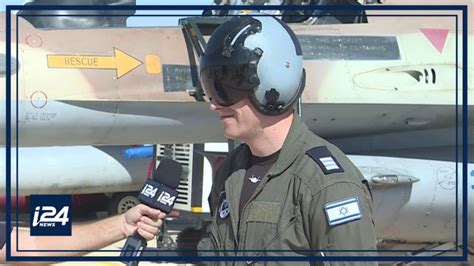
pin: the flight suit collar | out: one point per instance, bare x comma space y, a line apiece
290, 150
291, 147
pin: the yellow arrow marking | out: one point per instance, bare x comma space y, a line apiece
121, 62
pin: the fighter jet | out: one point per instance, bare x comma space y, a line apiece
386, 90
118, 86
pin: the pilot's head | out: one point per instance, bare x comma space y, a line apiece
255, 57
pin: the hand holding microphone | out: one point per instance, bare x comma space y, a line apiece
143, 220
158, 193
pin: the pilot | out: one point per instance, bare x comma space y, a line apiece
142, 219
284, 191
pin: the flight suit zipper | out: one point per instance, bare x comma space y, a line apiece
241, 240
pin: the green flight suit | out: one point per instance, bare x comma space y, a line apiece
286, 214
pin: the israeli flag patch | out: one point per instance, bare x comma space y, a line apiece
343, 211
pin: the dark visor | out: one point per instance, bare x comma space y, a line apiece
228, 70
228, 80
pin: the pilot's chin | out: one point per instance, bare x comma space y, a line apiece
229, 135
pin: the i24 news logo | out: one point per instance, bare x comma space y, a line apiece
166, 198
50, 215
149, 191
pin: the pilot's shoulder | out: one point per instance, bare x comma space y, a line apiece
321, 163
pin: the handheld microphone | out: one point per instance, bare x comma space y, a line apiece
159, 193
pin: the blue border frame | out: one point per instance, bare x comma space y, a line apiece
462, 8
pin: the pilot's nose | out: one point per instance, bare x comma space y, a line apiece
214, 106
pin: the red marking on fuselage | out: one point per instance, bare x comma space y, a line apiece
34, 41
437, 37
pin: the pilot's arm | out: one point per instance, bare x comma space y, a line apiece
339, 217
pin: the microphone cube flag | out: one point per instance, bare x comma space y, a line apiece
149, 193
158, 196
166, 198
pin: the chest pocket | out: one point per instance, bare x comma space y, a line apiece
260, 223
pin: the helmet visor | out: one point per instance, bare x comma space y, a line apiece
228, 80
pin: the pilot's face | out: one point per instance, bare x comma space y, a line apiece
240, 121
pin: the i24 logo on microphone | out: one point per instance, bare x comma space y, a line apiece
166, 198
149, 191
50, 215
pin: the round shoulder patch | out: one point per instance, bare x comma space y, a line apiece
224, 209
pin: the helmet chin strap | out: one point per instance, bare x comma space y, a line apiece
299, 106
302, 83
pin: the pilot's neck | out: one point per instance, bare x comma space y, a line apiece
271, 138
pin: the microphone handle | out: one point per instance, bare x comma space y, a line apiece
132, 263
134, 247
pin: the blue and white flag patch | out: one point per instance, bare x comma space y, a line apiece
343, 211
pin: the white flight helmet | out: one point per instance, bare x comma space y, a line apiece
256, 57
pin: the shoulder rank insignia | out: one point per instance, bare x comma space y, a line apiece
343, 211
323, 157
